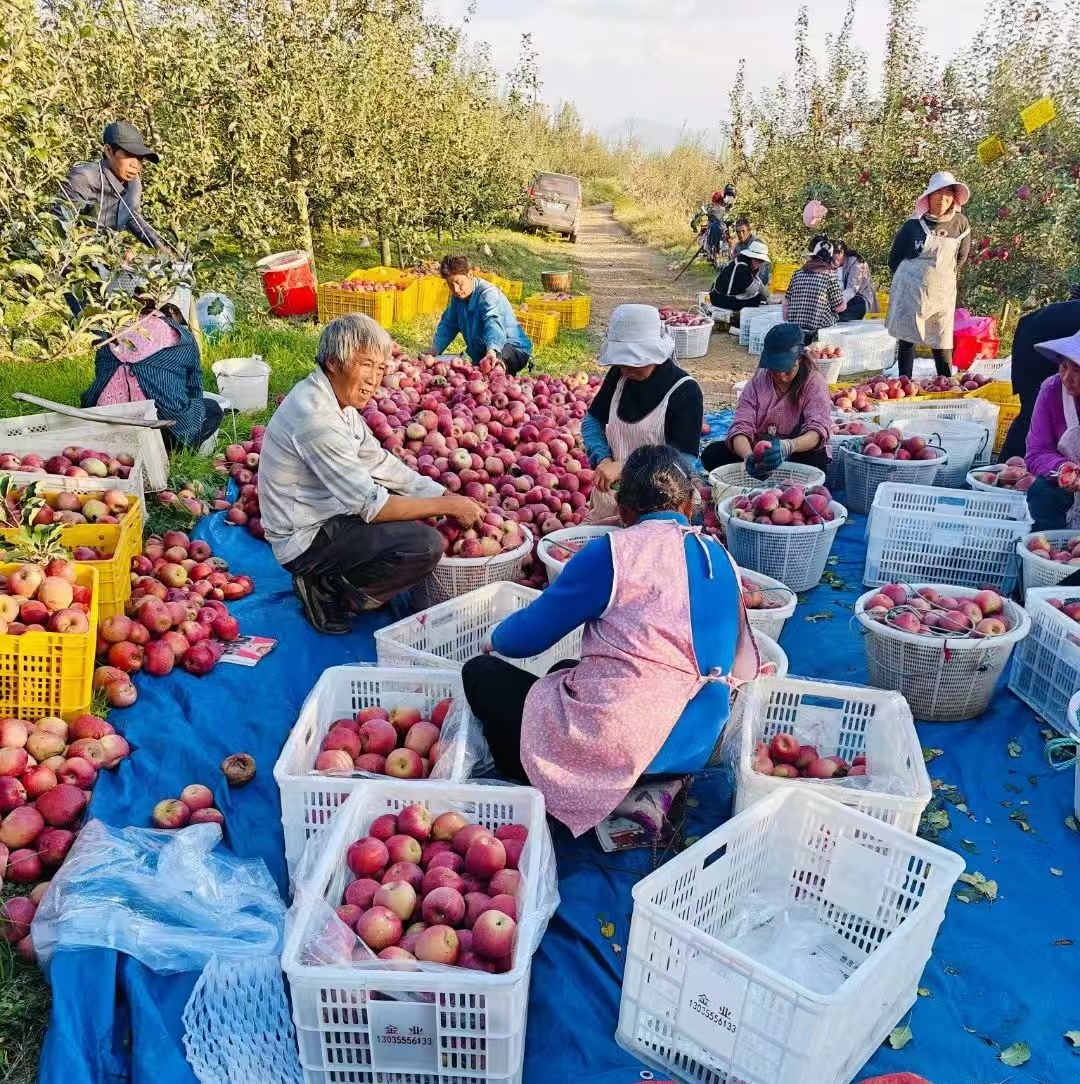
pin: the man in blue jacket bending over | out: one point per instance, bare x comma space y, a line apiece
480, 311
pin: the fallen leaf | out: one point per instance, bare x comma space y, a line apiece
1073, 1037
823, 616
923, 992
1063, 942
938, 819
981, 884
1014, 748
1015, 1055
931, 754
617, 949
1055, 872
900, 1037
607, 929
970, 1031
969, 846
961, 807
950, 970
1070, 823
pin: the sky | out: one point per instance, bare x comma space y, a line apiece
670, 63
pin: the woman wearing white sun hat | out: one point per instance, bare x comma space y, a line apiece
927, 253
644, 399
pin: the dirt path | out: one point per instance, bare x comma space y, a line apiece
621, 270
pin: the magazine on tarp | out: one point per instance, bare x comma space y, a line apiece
247, 650
649, 816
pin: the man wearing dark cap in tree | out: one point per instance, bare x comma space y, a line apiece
108, 191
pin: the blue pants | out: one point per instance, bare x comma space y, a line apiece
1048, 504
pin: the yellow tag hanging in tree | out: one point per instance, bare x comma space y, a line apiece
990, 150
1038, 114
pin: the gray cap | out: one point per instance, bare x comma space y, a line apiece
126, 136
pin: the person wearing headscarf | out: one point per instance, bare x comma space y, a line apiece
814, 297
926, 256
786, 402
665, 637
860, 299
644, 399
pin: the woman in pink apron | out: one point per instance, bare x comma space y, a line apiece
927, 254
644, 399
1054, 439
665, 637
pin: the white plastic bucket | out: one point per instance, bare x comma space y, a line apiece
245, 382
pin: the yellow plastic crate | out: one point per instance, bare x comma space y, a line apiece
514, 289
781, 276
50, 673
1000, 392
429, 296
334, 302
406, 302
541, 327
574, 314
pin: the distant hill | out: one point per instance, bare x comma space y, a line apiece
654, 135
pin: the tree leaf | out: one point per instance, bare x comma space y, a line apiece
1014, 748
1073, 1037
900, 1037
1015, 1055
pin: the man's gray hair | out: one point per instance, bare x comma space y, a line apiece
344, 336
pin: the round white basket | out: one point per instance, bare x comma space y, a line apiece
834, 476
774, 661
582, 533
974, 482
748, 316
795, 556
770, 620
829, 368
870, 416
943, 679
732, 479
863, 474
691, 342
1038, 571
454, 576
964, 441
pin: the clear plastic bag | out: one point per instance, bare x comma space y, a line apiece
161, 897
217, 314
462, 733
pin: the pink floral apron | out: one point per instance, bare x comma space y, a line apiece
627, 437
1069, 446
591, 732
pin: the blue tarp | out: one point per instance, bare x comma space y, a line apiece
999, 973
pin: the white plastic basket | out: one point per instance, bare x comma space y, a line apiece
759, 328
454, 576
838, 720
48, 433
954, 536
731, 479
795, 556
582, 533
834, 476
695, 1008
1045, 670
309, 800
979, 411
1038, 571
964, 441
867, 346
472, 1024
773, 658
943, 679
447, 635
863, 474
830, 368
245, 382
748, 316
770, 621
691, 342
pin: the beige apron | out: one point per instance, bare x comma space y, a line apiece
626, 437
922, 298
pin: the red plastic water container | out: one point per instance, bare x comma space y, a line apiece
288, 280
974, 337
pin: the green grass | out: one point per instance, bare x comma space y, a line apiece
24, 1012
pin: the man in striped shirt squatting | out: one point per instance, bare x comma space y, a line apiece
340, 512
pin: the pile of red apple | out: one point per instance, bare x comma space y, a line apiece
891, 444
1014, 475
72, 462
928, 612
189, 499
194, 806
817, 352
757, 597
853, 401
792, 506
43, 598
436, 889
851, 429
963, 382
1069, 608
860, 397
1067, 553
397, 742
241, 461
362, 286
677, 318
47, 771
73, 509
561, 295
786, 758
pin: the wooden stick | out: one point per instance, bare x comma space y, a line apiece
92, 415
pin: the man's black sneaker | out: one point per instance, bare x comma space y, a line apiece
325, 612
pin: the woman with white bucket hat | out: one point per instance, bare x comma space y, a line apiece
644, 399
927, 254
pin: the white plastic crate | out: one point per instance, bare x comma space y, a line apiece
696, 1008
995, 368
691, 342
795, 556
955, 536
965, 442
309, 800
1045, 670
582, 533
472, 1024
449, 634
1038, 571
867, 346
770, 621
731, 479
838, 720
53, 432
57, 483
454, 576
864, 475
980, 411
759, 328
944, 679
748, 316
